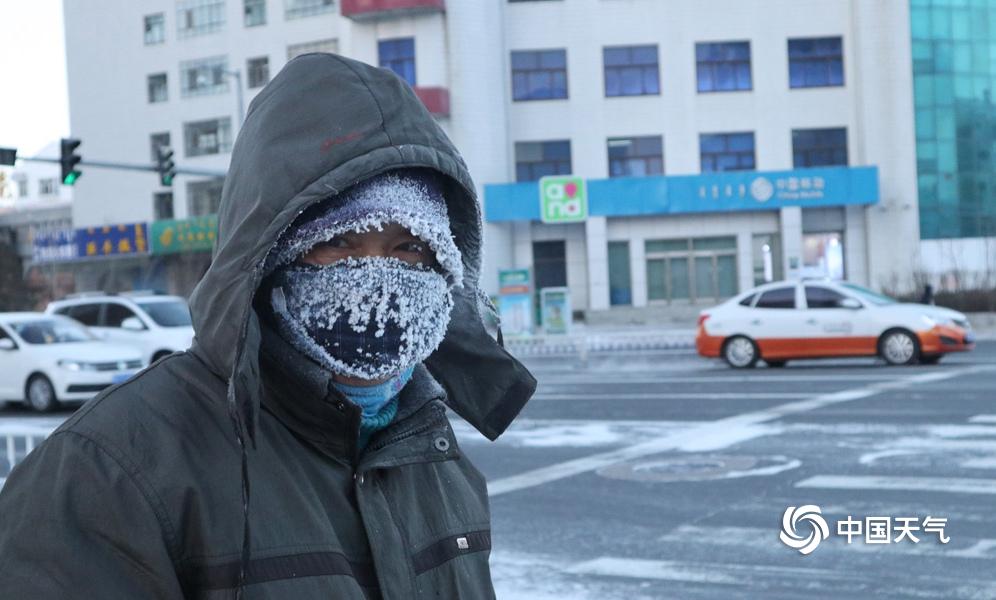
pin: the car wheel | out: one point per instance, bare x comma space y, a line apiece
775, 364
740, 352
40, 394
899, 347
932, 359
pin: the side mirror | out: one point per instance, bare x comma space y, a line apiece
850, 303
132, 324
7, 344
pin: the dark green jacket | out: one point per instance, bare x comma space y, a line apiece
140, 493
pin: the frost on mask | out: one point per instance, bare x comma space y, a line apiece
368, 317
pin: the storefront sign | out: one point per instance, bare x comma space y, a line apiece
515, 305
184, 235
53, 246
563, 199
112, 240
556, 309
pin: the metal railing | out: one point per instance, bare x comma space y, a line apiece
17, 440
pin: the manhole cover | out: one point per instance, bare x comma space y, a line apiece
697, 467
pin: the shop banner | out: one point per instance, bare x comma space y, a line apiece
172, 236
515, 303
54, 246
112, 240
556, 309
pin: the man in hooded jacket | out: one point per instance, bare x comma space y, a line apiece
236, 467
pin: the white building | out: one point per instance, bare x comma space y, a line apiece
33, 201
663, 92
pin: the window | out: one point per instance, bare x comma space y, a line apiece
199, 17
115, 314
207, 137
399, 56
22, 186
155, 29
722, 66
259, 71
816, 62
88, 314
162, 205
158, 91
330, 45
726, 152
156, 141
204, 76
620, 284
783, 297
48, 187
636, 156
204, 197
821, 297
748, 300
539, 74
255, 12
631, 70
691, 269
295, 9
536, 159
819, 147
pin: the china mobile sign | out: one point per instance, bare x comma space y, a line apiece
803, 528
563, 199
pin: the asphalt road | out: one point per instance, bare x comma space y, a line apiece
663, 475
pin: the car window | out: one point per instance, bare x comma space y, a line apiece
747, 301
51, 331
167, 314
88, 314
821, 297
783, 297
116, 313
870, 296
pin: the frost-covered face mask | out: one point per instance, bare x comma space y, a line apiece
365, 317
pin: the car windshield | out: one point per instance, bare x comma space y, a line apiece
867, 294
52, 331
168, 314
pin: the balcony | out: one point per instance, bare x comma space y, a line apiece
369, 10
436, 99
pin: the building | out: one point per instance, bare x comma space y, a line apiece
954, 79
719, 144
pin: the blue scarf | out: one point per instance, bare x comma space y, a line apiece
378, 402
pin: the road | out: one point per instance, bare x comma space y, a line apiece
642, 475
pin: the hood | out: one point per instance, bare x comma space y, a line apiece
323, 124
934, 312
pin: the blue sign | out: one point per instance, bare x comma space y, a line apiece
52, 246
112, 240
685, 194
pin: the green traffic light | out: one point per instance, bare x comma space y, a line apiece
71, 178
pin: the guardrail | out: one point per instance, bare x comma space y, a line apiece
583, 344
17, 440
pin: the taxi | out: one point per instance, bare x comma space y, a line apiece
787, 320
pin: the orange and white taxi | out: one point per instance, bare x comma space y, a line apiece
786, 320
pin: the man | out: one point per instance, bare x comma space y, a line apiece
300, 449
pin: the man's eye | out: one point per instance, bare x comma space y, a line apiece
416, 247
336, 242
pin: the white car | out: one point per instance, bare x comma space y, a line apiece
47, 359
155, 324
786, 320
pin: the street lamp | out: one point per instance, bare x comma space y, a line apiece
238, 89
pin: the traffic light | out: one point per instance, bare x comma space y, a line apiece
8, 156
69, 159
165, 165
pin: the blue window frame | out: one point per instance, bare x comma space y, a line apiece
631, 70
723, 66
399, 56
819, 147
636, 156
536, 159
726, 151
539, 74
816, 62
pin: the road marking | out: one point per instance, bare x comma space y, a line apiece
771, 578
983, 419
570, 378
713, 435
673, 396
957, 485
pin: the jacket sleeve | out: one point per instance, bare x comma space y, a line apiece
74, 523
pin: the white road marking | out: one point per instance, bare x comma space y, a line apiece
573, 378
712, 435
983, 419
599, 394
957, 485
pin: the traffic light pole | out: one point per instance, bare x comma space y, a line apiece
129, 167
